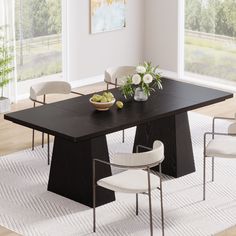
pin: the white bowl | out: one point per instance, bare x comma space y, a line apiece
102, 106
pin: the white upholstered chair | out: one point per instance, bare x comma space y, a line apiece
43, 89
114, 76
221, 145
137, 178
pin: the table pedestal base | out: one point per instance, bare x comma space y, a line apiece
174, 132
71, 170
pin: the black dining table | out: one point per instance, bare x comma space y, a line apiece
80, 134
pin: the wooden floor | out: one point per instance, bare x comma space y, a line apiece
6, 232
14, 138
11, 134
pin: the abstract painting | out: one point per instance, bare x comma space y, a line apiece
107, 15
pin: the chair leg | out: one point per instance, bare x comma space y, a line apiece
213, 170
44, 100
33, 140
42, 140
94, 198
161, 196
34, 104
204, 178
107, 86
123, 136
150, 203
136, 204
48, 149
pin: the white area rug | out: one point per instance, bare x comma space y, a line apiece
28, 209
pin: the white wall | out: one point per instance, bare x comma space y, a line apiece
90, 54
161, 33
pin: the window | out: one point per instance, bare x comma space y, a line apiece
210, 39
38, 38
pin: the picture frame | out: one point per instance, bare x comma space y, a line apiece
107, 15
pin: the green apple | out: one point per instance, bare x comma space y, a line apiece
109, 99
110, 94
119, 104
96, 98
105, 94
104, 99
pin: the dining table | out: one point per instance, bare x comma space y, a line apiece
80, 134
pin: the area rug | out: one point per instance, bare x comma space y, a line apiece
27, 208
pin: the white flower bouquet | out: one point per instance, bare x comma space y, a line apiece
146, 78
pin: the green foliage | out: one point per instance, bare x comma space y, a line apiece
192, 15
129, 87
54, 21
40, 17
211, 16
6, 59
37, 18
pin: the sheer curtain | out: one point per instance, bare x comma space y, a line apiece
7, 20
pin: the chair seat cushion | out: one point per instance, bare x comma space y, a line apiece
130, 181
222, 147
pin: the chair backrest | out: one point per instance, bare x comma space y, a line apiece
118, 73
50, 87
232, 128
150, 158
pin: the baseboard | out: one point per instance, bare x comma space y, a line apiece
87, 81
169, 74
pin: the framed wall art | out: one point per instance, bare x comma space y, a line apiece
107, 15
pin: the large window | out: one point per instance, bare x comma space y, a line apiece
38, 38
210, 38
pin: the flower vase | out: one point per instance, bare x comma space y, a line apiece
140, 95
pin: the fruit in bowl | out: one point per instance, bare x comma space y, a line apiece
103, 102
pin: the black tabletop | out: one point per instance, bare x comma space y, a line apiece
76, 119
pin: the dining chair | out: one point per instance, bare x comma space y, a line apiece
137, 178
114, 77
43, 89
221, 145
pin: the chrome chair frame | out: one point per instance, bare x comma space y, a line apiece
213, 133
48, 136
145, 167
110, 83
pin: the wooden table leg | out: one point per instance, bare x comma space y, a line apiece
174, 132
71, 170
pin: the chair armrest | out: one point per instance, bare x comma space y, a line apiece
77, 93
223, 118
219, 118
220, 134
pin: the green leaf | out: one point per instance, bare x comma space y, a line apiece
6, 60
